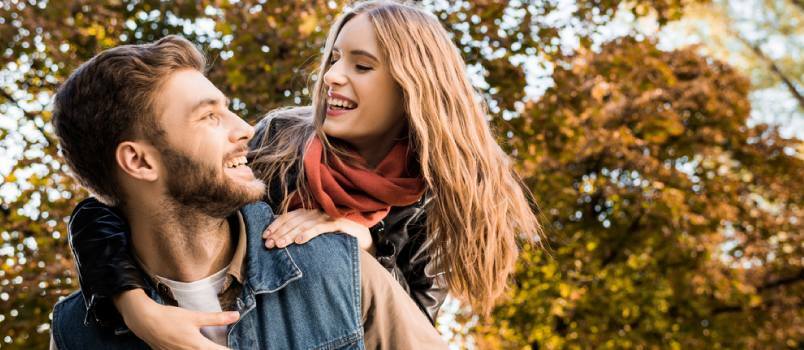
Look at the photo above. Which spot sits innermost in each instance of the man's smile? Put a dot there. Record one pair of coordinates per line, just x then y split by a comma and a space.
237, 168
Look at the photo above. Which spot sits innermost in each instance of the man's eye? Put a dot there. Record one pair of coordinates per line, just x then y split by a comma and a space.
211, 116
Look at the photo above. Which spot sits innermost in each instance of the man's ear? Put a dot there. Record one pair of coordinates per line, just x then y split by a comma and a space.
137, 160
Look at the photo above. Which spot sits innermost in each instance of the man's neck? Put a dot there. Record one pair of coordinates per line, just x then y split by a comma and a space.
179, 243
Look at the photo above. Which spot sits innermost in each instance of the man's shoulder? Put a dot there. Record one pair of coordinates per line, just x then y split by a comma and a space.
69, 320
258, 208
327, 250
257, 216
69, 331
327, 254
72, 305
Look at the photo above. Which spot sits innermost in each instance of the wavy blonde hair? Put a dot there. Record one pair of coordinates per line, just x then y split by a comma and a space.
479, 206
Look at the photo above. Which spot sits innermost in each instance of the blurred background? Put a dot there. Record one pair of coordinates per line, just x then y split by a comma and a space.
662, 141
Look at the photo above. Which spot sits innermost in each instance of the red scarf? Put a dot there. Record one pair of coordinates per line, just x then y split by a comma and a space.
362, 195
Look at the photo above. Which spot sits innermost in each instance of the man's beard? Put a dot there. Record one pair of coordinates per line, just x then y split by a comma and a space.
194, 185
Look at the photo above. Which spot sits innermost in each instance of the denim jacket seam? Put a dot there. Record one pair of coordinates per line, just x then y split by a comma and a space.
242, 314
297, 274
340, 341
56, 330
356, 283
356, 333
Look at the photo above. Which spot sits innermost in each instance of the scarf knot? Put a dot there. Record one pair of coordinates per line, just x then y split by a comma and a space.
361, 195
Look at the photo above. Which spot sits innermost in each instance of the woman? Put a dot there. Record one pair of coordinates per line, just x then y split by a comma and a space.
395, 150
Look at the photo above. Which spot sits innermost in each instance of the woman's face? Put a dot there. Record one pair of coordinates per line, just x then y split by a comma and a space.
364, 103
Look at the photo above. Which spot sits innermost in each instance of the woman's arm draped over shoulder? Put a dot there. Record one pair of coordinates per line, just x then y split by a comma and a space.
100, 243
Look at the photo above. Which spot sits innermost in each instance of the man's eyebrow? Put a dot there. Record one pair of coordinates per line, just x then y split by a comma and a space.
209, 102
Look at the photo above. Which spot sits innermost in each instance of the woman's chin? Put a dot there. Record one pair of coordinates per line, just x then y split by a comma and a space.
336, 129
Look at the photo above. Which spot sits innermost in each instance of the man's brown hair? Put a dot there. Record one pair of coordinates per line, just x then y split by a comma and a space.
109, 100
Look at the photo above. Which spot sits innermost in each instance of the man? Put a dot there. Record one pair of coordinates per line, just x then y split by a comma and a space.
144, 130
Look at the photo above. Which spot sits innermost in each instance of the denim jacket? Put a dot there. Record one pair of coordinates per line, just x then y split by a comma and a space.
301, 297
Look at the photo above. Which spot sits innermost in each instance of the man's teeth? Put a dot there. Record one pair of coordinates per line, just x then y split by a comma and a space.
236, 162
340, 103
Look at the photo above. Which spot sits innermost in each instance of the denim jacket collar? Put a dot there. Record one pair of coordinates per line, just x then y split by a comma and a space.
267, 270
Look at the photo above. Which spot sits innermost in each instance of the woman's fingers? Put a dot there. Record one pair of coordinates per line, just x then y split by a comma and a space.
199, 341
311, 232
172, 327
203, 319
285, 223
302, 225
281, 220
317, 223
359, 231
286, 236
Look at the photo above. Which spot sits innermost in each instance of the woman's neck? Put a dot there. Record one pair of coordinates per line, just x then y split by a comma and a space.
373, 155
374, 150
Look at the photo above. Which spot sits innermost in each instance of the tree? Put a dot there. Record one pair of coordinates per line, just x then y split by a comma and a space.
672, 223
262, 53
762, 38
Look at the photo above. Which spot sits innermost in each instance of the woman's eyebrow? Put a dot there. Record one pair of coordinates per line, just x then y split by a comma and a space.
358, 52
364, 54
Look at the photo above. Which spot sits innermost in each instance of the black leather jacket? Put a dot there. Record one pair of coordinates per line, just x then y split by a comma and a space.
99, 237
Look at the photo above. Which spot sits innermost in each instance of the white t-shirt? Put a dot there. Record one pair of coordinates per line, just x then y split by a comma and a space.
201, 295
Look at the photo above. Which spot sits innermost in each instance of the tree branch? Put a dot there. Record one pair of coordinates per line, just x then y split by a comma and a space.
620, 242
799, 4
740, 308
28, 114
782, 281
773, 67
764, 287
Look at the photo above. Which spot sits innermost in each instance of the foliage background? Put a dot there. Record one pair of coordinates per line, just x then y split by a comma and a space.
669, 176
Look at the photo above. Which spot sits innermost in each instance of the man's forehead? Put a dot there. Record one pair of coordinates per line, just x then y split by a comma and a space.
186, 90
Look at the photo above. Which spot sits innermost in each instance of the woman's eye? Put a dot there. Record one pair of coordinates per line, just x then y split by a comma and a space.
333, 60
362, 68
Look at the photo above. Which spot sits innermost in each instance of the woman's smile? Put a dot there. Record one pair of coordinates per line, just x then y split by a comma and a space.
338, 104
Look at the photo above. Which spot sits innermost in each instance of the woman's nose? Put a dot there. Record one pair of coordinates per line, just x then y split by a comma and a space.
334, 76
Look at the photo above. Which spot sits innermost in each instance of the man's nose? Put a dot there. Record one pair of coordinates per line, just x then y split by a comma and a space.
241, 130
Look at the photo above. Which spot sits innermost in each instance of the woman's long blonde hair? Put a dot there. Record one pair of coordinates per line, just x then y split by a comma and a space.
478, 205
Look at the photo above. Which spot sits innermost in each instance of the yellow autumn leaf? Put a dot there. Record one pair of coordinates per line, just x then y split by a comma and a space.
308, 24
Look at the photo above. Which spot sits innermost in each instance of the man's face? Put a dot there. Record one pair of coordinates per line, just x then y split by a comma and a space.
203, 151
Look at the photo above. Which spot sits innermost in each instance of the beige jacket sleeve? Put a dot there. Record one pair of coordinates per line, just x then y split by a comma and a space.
391, 319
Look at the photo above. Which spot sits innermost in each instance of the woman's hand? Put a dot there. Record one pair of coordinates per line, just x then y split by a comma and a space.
301, 225
168, 327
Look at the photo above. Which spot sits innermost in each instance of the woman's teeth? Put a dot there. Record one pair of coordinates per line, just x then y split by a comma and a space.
341, 104
236, 162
